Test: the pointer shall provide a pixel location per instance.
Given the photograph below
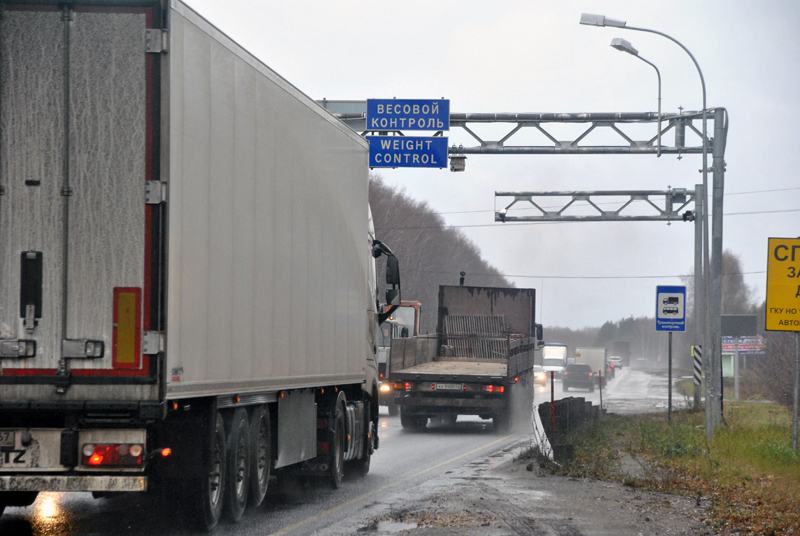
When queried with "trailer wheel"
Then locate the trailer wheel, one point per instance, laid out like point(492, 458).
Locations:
point(337, 457)
point(260, 454)
point(238, 474)
point(205, 494)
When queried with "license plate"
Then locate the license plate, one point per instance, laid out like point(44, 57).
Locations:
point(448, 386)
point(7, 439)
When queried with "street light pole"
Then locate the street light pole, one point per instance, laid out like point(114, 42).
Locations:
point(626, 46)
point(712, 300)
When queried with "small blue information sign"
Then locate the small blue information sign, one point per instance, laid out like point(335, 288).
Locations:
point(670, 308)
point(408, 114)
point(407, 151)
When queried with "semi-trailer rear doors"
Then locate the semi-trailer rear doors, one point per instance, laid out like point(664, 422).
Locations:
point(78, 242)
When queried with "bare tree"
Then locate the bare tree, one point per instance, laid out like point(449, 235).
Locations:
point(430, 253)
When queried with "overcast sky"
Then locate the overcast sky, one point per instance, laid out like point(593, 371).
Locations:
point(526, 56)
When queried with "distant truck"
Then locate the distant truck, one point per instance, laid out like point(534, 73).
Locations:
point(623, 350)
point(597, 359)
point(403, 323)
point(480, 360)
point(554, 359)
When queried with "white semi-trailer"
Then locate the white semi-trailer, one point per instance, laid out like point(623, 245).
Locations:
point(188, 296)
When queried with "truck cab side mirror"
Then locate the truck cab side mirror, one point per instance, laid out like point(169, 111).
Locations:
point(539, 334)
point(392, 271)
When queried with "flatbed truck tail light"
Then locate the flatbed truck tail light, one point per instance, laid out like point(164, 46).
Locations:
point(493, 388)
point(113, 454)
point(404, 386)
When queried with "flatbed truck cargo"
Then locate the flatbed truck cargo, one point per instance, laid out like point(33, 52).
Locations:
point(188, 295)
point(480, 361)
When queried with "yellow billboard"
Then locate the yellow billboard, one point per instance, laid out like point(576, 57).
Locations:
point(783, 284)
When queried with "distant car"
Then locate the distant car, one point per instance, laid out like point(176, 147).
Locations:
point(539, 376)
point(616, 361)
point(578, 375)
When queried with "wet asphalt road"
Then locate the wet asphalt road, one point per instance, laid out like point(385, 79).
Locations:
point(404, 460)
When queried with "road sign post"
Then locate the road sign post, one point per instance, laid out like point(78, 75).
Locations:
point(783, 304)
point(670, 316)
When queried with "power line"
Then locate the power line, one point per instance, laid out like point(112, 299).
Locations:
point(578, 276)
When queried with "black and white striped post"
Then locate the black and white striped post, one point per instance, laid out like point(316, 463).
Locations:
point(697, 353)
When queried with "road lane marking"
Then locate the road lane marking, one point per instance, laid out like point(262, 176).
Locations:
point(382, 488)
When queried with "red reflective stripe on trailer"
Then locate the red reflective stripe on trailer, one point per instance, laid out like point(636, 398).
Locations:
point(144, 371)
point(29, 372)
point(126, 352)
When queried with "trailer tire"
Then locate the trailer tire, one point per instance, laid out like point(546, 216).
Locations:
point(205, 494)
point(238, 474)
point(260, 454)
point(337, 457)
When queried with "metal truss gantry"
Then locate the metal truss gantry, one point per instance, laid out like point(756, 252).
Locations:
point(674, 201)
point(708, 271)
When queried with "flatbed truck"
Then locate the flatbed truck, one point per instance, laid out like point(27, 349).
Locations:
point(480, 361)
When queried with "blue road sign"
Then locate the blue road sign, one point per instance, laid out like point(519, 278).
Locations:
point(670, 308)
point(407, 151)
point(408, 114)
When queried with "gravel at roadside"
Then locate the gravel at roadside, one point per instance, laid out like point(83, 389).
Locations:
point(509, 494)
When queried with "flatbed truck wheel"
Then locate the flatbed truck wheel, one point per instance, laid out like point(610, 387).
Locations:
point(413, 422)
point(238, 460)
point(260, 454)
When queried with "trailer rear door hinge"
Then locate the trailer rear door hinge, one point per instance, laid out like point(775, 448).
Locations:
point(155, 192)
point(152, 342)
point(155, 40)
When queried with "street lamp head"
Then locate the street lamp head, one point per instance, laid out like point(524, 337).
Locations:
point(624, 46)
point(600, 20)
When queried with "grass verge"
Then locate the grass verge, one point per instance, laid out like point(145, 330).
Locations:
point(748, 471)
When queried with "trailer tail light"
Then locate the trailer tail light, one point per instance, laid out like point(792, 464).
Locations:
point(404, 386)
point(104, 454)
point(494, 388)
